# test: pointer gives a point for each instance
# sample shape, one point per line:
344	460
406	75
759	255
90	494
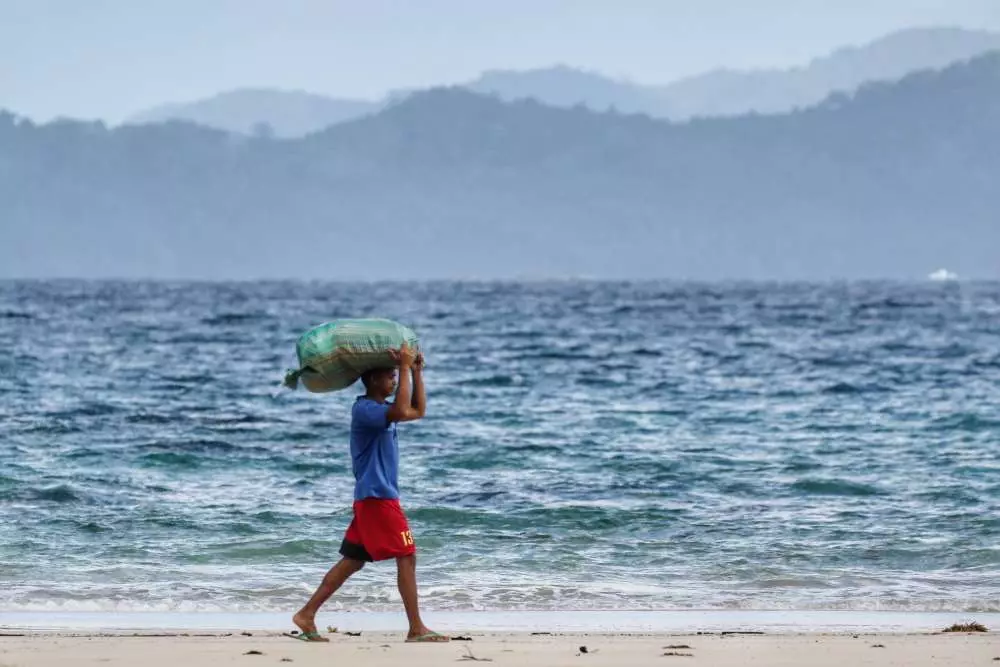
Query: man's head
380	382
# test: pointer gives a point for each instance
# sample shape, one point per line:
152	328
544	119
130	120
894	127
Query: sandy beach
522	649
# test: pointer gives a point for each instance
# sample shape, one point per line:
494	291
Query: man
379	530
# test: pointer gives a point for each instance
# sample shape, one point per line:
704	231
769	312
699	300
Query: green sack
334	355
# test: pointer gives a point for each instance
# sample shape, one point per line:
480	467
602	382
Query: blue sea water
587	446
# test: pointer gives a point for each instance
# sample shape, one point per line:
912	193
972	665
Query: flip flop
306	637
428	638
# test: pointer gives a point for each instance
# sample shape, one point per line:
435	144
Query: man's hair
366	377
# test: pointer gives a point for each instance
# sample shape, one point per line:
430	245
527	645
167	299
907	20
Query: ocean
587	446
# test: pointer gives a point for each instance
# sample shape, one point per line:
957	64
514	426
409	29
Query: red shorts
379	531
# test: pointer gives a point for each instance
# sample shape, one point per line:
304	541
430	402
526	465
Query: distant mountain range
716	93
894	181
280	113
736	92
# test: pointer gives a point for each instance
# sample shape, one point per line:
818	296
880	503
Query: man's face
384	381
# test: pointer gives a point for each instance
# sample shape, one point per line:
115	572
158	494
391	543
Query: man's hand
418	362
404	356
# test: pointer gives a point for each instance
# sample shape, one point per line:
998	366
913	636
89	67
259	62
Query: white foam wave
942	275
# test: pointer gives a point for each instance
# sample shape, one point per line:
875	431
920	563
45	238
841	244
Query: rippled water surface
587	445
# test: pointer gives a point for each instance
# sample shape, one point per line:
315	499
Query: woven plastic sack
334	355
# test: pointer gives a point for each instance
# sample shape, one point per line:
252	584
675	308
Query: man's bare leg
407	579
305	618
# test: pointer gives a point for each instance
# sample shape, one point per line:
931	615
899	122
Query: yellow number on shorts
407	538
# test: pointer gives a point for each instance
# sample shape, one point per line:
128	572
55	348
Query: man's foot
307	624
425	635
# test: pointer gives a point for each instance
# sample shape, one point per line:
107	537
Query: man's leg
407	580
305	618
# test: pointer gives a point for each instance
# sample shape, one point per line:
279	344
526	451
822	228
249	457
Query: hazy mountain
896	181
564	86
735	92
249	111
717	93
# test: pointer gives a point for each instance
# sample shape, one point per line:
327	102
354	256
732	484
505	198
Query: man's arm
419	402
402	409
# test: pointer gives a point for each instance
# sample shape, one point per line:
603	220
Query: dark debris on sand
469	656
971	626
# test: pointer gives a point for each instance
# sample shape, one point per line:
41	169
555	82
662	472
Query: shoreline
709	638
378	649
669	621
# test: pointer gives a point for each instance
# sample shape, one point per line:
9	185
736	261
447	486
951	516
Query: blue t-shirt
374	451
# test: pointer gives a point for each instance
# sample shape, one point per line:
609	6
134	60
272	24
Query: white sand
373	649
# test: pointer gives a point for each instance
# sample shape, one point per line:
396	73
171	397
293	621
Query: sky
109	59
